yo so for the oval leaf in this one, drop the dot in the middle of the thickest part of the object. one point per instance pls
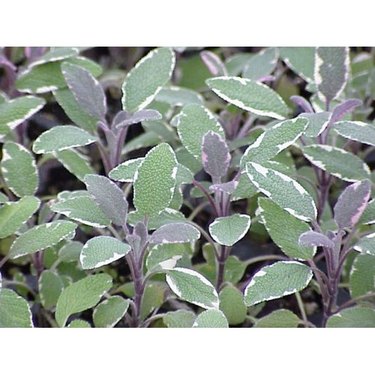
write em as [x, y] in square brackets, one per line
[192, 287]
[272, 215]
[337, 162]
[50, 287]
[211, 319]
[155, 180]
[249, 95]
[62, 138]
[144, 81]
[352, 203]
[278, 319]
[19, 169]
[366, 244]
[14, 214]
[109, 197]
[125, 172]
[42, 236]
[276, 281]
[175, 233]
[108, 313]
[229, 229]
[14, 310]
[357, 131]
[362, 276]
[102, 250]
[232, 305]
[313, 239]
[283, 190]
[354, 317]
[81, 295]
[193, 122]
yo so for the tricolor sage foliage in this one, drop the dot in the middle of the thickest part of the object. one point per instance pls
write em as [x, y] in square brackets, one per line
[187, 187]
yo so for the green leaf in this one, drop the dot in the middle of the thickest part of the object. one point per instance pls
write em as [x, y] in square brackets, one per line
[337, 162]
[249, 95]
[102, 250]
[14, 310]
[357, 131]
[62, 138]
[274, 140]
[86, 90]
[155, 180]
[3, 198]
[82, 209]
[50, 287]
[75, 163]
[125, 172]
[230, 229]
[366, 244]
[48, 77]
[175, 233]
[232, 305]
[317, 123]
[79, 323]
[14, 214]
[285, 236]
[19, 169]
[14, 112]
[362, 273]
[244, 189]
[42, 236]
[354, 317]
[283, 190]
[331, 71]
[192, 287]
[73, 110]
[178, 96]
[368, 216]
[276, 281]
[261, 64]
[211, 319]
[278, 319]
[179, 319]
[70, 252]
[56, 54]
[146, 79]
[109, 197]
[165, 217]
[153, 298]
[193, 122]
[300, 60]
[81, 295]
[236, 63]
[109, 312]
[165, 256]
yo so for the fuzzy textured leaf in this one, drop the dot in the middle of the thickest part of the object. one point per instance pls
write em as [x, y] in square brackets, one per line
[366, 245]
[19, 169]
[62, 138]
[230, 229]
[278, 319]
[300, 60]
[232, 305]
[354, 317]
[193, 122]
[357, 131]
[14, 310]
[81, 295]
[249, 95]
[50, 287]
[362, 275]
[146, 79]
[179, 319]
[337, 162]
[125, 172]
[109, 197]
[155, 180]
[352, 203]
[276, 281]
[272, 215]
[109, 312]
[211, 319]
[274, 140]
[102, 250]
[14, 214]
[283, 190]
[42, 236]
[175, 233]
[192, 287]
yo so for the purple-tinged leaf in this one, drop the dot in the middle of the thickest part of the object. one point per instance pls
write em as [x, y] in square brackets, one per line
[266, 79]
[302, 103]
[109, 197]
[313, 239]
[175, 233]
[215, 155]
[342, 109]
[86, 90]
[351, 204]
[126, 119]
[213, 63]
[331, 71]
[226, 187]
